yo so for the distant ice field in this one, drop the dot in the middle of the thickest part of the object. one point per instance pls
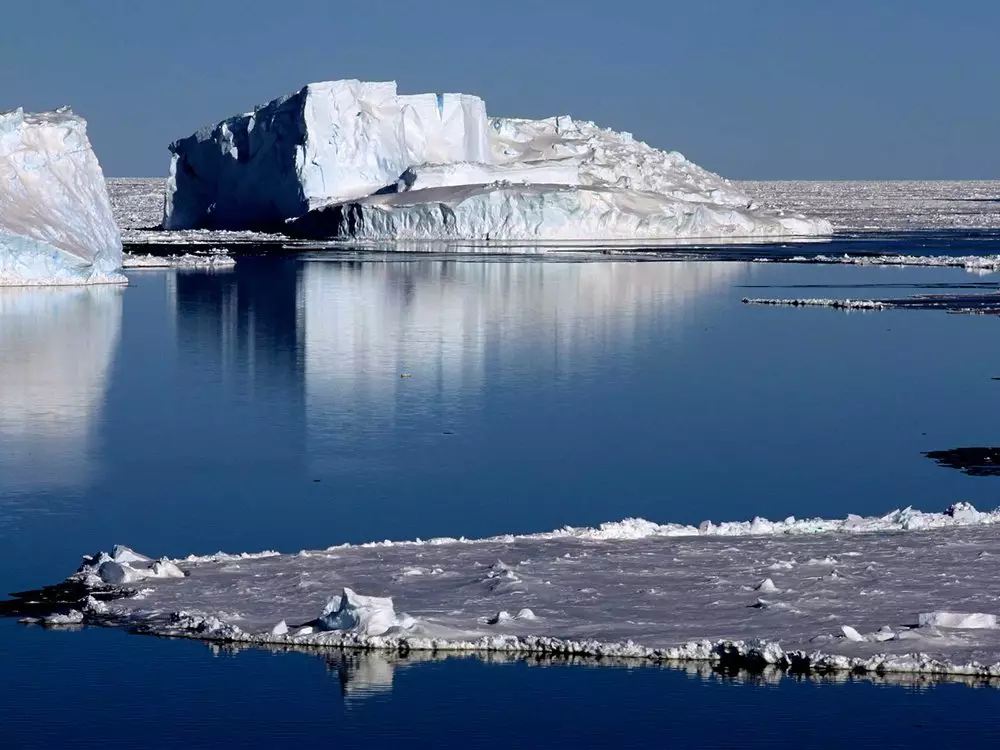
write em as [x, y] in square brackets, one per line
[857, 210]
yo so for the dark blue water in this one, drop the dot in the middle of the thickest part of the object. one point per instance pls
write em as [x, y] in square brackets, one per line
[293, 404]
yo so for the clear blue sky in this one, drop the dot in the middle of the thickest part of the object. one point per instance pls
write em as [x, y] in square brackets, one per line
[839, 89]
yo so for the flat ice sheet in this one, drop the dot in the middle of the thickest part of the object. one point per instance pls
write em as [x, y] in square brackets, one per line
[906, 592]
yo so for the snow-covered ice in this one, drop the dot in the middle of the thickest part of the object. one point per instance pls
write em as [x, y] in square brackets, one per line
[211, 259]
[982, 264]
[56, 223]
[905, 592]
[358, 161]
[837, 304]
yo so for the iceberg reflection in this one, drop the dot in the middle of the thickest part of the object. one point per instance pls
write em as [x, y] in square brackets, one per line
[376, 332]
[57, 347]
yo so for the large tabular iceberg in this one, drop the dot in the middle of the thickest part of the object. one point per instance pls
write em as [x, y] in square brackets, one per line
[357, 161]
[56, 225]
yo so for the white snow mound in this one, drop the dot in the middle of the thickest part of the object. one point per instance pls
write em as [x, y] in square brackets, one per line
[957, 621]
[363, 615]
[56, 223]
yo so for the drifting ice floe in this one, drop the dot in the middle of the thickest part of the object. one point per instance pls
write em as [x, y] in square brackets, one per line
[837, 304]
[971, 304]
[853, 594]
[357, 161]
[214, 258]
[972, 263]
[56, 224]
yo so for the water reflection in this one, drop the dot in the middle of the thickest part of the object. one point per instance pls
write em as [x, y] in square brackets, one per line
[379, 332]
[57, 347]
[365, 674]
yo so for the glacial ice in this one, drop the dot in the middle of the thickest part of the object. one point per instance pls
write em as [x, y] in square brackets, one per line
[211, 259]
[328, 142]
[910, 594]
[56, 223]
[357, 161]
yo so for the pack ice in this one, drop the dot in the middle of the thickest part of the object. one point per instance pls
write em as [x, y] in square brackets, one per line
[56, 225]
[358, 161]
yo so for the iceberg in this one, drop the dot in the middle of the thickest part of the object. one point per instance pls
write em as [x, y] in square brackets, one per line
[328, 142]
[349, 160]
[56, 224]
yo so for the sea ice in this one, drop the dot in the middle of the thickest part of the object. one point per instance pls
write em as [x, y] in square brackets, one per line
[591, 591]
[56, 223]
[212, 259]
[957, 621]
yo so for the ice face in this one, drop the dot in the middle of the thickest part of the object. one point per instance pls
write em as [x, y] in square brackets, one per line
[328, 142]
[56, 225]
[538, 212]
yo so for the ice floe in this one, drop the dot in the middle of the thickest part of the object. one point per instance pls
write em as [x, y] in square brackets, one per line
[213, 258]
[974, 263]
[968, 304]
[837, 304]
[907, 591]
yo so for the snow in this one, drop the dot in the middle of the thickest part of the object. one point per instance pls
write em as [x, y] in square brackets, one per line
[606, 158]
[330, 141]
[353, 148]
[73, 617]
[905, 592]
[56, 223]
[123, 566]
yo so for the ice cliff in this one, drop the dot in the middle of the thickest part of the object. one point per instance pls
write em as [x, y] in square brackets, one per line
[328, 142]
[56, 225]
[354, 160]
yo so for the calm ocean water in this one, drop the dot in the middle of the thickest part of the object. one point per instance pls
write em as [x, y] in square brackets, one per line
[297, 403]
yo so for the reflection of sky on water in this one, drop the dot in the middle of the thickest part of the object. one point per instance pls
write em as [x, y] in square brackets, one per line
[56, 348]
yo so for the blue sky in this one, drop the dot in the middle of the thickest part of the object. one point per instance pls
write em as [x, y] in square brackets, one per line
[873, 89]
